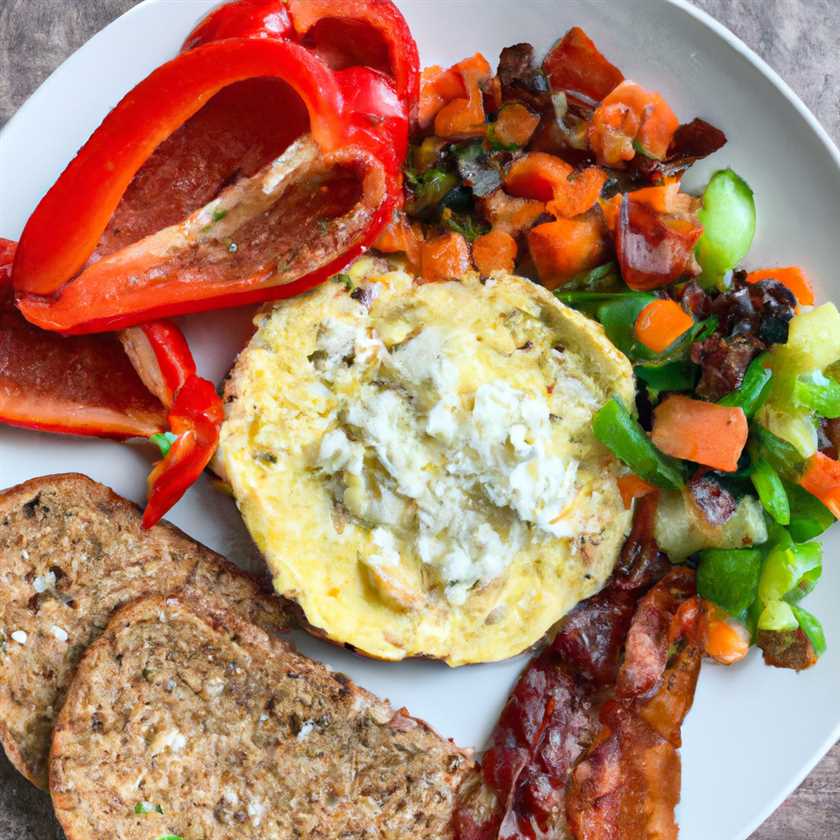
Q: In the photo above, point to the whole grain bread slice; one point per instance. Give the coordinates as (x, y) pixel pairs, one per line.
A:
(71, 552)
(184, 719)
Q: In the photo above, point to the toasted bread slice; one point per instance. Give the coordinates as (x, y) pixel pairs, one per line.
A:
(187, 712)
(71, 552)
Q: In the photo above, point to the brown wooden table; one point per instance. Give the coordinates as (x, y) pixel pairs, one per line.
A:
(799, 38)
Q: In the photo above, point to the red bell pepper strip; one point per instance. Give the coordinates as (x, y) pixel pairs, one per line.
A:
(345, 33)
(318, 224)
(79, 386)
(195, 418)
(57, 242)
(162, 358)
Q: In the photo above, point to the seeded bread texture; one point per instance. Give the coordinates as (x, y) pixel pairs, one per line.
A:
(71, 552)
(215, 729)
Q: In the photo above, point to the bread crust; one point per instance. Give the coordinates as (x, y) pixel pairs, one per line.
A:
(71, 552)
(184, 705)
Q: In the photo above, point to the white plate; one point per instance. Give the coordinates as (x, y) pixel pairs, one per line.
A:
(754, 732)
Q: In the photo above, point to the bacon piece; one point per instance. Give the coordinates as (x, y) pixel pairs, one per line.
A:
(655, 249)
(628, 785)
(575, 65)
(552, 715)
(692, 142)
(649, 639)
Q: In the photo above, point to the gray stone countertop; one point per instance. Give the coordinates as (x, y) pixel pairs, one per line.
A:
(799, 38)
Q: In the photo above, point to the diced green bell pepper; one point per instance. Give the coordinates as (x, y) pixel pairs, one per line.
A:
(728, 218)
(809, 517)
(781, 455)
(672, 376)
(777, 617)
(771, 491)
(812, 628)
(819, 394)
(615, 427)
(786, 564)
(753, 390)
(729, 578)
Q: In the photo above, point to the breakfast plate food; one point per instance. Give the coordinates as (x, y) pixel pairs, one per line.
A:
(445, 338)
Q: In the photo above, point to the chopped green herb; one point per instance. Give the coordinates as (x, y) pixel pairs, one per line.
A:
(466, 225)
(345, 279)
(147, 808)
(163, 441)
(218, 215)
(170, 837)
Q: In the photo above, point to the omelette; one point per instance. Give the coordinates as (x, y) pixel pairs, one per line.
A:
(416, 462)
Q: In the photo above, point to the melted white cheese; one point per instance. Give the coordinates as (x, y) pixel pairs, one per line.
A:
(468, 477)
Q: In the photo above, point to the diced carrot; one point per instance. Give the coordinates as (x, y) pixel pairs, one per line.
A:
(400, 236)
(632, 487)
(510, 214)
(537, 175)
(437, 87)
(445, 257)
(462, 118)
(793, 277)
(628, 118)
(577, 194)
(706, 433)
(546, 177)
(664, 198)
(661, 323)
(494, 251)
(566, 247)
(515, 125)
(726, 640)
(822, 479)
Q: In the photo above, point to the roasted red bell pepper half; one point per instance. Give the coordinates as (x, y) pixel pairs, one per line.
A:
(345, 33)
(297, 220)
(243, 19)
(87, 385)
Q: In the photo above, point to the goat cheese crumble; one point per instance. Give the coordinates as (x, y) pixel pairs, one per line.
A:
(467, 475)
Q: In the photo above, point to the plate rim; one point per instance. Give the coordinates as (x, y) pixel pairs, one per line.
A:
(734, 42)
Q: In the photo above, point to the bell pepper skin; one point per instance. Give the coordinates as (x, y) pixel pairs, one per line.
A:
(243, 19)
(621, 433)
(80, 386)
(57, 242)
(355, 110)
(381, 16)
(195, 418)
(161, 356)
(345, 33)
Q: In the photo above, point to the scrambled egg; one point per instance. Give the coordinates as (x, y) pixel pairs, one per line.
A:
(416, 462)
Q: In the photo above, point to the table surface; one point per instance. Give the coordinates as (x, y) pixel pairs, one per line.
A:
(796, 37)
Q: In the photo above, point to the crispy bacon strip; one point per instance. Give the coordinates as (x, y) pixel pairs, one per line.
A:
(628, 785)
(655, 249)
(553, 714)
